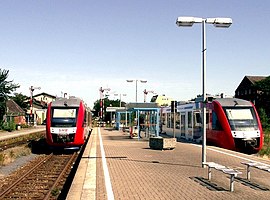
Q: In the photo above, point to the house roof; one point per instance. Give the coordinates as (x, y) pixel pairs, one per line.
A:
(44, 94)
(13, 107)
(254, 79)
(250, 81)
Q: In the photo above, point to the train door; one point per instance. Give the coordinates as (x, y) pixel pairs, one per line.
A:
(214, 132)
(189, 123)
(183, 124)
(177, 124)
(197, 125)
(193, 125)
(165, 121)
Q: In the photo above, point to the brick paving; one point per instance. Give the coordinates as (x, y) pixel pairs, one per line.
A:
(138, 172)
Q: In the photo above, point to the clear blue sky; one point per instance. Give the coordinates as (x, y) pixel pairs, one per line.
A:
(78, 46)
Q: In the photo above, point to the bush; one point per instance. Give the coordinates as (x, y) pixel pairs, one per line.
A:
(24, 126)
(266, 146)
(9, 126)
(265, 121)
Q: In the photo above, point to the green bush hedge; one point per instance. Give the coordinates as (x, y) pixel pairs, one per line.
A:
(9, 126)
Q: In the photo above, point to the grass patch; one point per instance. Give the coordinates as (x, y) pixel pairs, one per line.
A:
(265, 151)
(9, 155)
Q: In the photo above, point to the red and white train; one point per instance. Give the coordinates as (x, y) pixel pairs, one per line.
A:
(68, 123)
(231, 123)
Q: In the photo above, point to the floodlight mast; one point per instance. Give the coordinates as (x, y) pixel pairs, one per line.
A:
(136, 81)
(219, 23)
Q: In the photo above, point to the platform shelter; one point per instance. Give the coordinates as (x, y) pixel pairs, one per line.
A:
(149, 112)
(121, 118)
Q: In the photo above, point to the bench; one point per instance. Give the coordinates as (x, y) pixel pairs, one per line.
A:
(256, 165)
(226, 170)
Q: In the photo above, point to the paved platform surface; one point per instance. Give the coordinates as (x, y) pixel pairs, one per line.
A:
(134, 171)
(24, 131)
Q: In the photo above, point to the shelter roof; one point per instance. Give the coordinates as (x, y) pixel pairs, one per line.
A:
(142, 106)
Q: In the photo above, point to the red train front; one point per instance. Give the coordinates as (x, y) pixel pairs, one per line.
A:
(235, 125)
(67, 123)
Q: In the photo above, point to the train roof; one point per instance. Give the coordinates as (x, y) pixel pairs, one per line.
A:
(232, 102)
(67, 102)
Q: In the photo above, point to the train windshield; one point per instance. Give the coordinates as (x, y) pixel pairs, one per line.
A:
(63, 117)
(242, 119)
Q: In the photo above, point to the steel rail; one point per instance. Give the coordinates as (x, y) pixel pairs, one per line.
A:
(60, 175)
(26, 174)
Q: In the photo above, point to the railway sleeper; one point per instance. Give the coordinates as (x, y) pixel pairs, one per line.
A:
(226, 170)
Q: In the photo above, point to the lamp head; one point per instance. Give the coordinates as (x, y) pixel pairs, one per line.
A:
(187, 21)
(220, 22)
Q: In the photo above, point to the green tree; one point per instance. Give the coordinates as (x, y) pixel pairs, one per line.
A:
(6, 88)
(264, 119)
(263, 101)
(21, 100)
(107, 103)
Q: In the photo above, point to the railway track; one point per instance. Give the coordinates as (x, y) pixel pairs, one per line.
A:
(40, 179)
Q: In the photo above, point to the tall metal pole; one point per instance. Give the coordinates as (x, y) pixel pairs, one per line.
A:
(120, 100)
(174, 123)
(144, 97)
(203, 91)
(31, 103)
(218, 22)
(101, 104)
(136, 82)
(136, 90)
(32, 114)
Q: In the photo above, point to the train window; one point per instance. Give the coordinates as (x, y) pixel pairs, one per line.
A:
(215, 122)
(85, 116)
(183, 124)
(198, 118)
(163, 119)
(190, 119)
(85, 119)
(177, 120)
(242, 119)
(64, 117)
(64, 113)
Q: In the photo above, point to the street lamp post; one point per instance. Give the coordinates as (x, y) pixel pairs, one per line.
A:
(136, 81)
(120, 104)
(217, 22)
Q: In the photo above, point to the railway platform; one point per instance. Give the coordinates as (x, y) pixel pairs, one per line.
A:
(114, 166)
(7, 135)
